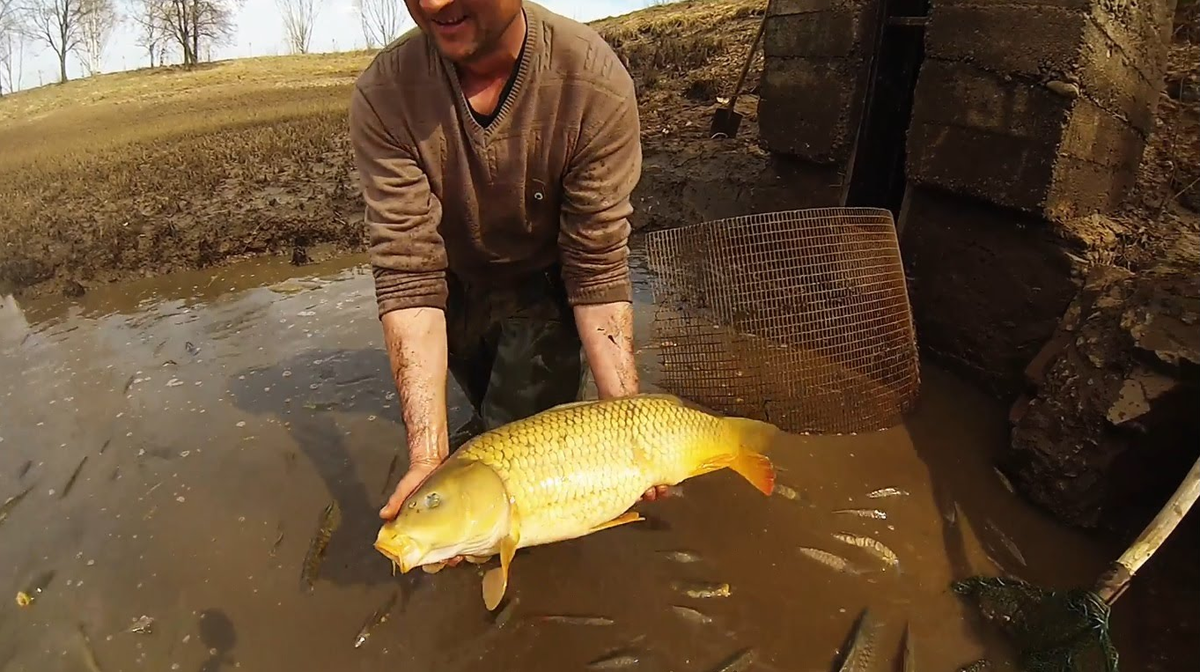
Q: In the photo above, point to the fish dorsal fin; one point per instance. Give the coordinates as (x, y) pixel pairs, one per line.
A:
(495, 581)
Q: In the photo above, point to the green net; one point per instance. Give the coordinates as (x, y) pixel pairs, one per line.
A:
(1052, 631)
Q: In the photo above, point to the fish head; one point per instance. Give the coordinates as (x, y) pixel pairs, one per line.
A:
(461, 509)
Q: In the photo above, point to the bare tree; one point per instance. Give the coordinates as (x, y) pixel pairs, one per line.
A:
(99, 20)
(58, 25)
(12, 47)
(192, 24)
(382, 20)
(299, 16)
(149, 17)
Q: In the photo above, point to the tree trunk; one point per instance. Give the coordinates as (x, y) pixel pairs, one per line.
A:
(62, 67)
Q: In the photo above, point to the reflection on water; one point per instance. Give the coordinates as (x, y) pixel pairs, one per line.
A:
(221, 412)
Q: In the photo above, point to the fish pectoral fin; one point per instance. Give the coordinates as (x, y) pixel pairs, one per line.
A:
(495, 581)
(627, 517)
(477, 559)
(433, 567)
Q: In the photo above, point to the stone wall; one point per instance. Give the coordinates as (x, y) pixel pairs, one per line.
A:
(1025, 115)
(1043, 107)
(817, 59)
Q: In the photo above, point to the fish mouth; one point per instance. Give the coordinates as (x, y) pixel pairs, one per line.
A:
(403, 551)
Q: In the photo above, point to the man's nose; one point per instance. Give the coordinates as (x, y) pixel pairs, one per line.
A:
(432, 7)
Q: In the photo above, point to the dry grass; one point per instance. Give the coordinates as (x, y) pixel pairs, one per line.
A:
(156, 170)
(165, 169)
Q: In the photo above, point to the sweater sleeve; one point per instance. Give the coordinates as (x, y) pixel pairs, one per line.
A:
(406, 251)
(594, 230)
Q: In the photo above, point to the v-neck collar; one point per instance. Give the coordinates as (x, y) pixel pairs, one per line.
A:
(477, 131)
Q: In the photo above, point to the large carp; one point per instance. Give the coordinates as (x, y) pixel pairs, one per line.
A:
(565, 473)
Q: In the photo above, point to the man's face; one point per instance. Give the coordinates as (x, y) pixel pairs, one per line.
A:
(464, 30)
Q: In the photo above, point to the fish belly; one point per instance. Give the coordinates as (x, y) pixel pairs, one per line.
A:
(572, 469)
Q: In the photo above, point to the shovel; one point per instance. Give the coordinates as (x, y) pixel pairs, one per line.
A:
(725, 121)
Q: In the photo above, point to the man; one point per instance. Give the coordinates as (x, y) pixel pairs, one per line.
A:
(497, 144)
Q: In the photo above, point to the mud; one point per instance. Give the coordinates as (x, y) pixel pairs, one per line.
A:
(221, 413)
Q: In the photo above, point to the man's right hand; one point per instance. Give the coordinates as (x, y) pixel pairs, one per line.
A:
(417, 472)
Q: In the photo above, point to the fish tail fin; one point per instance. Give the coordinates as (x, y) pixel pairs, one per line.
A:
(752, 438)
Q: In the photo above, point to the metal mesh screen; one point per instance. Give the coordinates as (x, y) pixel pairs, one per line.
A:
(800, 318)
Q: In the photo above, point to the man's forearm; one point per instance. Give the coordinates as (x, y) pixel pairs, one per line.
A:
(416, 345)
(606, 330)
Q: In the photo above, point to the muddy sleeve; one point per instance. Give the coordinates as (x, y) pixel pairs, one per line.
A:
(406, 251)
(594, 230)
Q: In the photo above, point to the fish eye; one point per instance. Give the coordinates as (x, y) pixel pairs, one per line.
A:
(433, 500)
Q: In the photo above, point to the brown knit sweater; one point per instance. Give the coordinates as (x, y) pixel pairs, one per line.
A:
(548, 180)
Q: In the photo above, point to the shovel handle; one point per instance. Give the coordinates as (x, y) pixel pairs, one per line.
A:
(1113, 583)
(737, 89)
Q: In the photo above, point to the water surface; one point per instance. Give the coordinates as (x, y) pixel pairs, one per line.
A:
(220, 412)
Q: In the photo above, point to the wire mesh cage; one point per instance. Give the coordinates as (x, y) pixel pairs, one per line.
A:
(800, 318)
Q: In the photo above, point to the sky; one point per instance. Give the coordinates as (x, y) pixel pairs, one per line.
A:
(260, 33)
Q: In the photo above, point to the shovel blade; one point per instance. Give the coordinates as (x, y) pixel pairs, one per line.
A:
(725, 123)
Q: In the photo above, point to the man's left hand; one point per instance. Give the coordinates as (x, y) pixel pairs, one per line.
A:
(658, 491)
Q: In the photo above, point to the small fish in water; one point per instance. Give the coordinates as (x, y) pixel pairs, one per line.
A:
(89, 655)
(690, 614)
(11, 503)
(862, 646)
(330, 520)
(681, 556)
(1004, 481)
(700, 591)
(886, 492)
(577, 620)
(376, 618)
(910, 658)
(24, 469)
(74, 475)
(830, 560)
(505, 614)
(191, 348)
(1008, 543)
(737, 662)
(35, 587)
(107, 442)
(523, 494)
(787, 492)
(874, 546)
(278, 540)
(616, 660)
(142, 626)
(864, 513)
(391, 471)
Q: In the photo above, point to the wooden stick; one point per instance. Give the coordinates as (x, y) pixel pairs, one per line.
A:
(737, 88)
(1114, 581)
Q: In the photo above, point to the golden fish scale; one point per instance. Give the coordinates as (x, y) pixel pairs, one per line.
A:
(573, 468)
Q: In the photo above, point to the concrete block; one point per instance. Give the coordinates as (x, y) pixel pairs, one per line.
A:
(836, 33)
(959, 94)
(986, 326)
(1009, 38)
(977, 134)
(1108, 76)
(810, 108)
(792, 7)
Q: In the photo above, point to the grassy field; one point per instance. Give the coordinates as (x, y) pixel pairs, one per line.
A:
(155, 170)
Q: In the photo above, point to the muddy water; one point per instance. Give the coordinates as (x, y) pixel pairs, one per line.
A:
(220, 413)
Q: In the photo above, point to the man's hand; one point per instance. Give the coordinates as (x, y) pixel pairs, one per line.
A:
(417, 473)
(655, 492)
